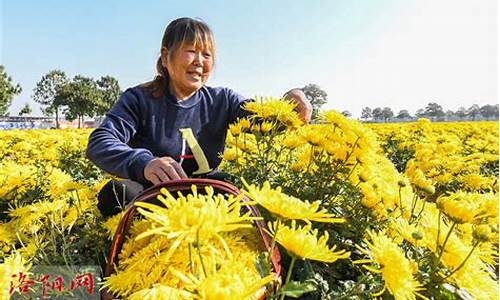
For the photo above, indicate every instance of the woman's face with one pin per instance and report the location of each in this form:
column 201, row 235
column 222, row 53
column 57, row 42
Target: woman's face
column 188, row 68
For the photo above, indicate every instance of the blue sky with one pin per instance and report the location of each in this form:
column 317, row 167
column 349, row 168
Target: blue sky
column 401, row 54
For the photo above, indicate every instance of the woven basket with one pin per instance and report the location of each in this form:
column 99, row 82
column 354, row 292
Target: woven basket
column 150, row 194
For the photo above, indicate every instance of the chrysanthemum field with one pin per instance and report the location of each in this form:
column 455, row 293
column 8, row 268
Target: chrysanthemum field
column 357, row 211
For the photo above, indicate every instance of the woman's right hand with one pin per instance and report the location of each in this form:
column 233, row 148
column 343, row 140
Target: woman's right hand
column 162, row 169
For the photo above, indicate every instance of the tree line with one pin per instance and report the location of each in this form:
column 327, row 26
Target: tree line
column 59, row 95
column 432, row 111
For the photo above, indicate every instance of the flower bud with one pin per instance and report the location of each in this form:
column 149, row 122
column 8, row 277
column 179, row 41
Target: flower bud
column 417, row 235
column 482, row 233
column 430, row 189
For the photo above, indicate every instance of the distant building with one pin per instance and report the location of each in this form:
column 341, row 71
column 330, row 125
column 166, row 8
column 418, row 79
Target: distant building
column 26, row 123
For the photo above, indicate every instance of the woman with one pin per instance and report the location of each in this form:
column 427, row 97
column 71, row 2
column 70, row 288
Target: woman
column 172, row 127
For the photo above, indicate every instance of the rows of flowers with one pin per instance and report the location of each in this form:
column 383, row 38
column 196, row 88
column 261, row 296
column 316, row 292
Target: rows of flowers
column 392, row 211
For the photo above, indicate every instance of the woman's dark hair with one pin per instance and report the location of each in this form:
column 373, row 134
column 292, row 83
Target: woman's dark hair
column 179, row 32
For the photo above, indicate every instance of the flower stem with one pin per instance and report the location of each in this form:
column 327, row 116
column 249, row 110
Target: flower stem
column 438, row 231
column 401, row 208
column 273, row 242
column 466, row 258
column 446, row 240
column 190, row 258
column 289, row 274
column 420, row 213
column 199, row 253
column 413, row 205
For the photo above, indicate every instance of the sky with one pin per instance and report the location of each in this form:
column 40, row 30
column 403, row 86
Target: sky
column 397, row 53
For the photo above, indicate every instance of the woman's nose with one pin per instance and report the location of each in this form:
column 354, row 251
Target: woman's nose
column 198, row 59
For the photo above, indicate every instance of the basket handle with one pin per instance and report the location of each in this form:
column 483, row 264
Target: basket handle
column 172, row 186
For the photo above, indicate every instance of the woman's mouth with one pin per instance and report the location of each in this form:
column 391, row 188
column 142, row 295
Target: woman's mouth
column 195, row 75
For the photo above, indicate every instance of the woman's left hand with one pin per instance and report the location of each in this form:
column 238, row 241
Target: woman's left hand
column 304, row 107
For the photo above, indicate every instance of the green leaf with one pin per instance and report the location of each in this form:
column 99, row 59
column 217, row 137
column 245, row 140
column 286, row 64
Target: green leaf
column 263, row 265
column 296, row 289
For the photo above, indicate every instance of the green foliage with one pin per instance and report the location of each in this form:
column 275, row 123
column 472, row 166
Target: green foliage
column 434, row 110
column 403, row 114
column 366, row 113
column 295, row 289
column 490, row 168
column 84, row 243
column 109, row 92
column 47, row 92
column 396, row 154
column 7, row 91
column 26, row 110
column 74, row 162
column 80, row 97
column 316, row 96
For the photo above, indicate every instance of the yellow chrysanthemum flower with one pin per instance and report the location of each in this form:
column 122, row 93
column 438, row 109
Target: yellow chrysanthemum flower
column 293, row 141
column 7, row 236
column 418, row 178
column 274, row 109
column 15, row 177
column 459, row 207
column 228, row 283
column 29, row 218
column 112, row 223
column 303, row 243
column 395, row 268
column 195, row 217
column 12, row 265
column 288, row 207
column 230, row 154
column 160, row 292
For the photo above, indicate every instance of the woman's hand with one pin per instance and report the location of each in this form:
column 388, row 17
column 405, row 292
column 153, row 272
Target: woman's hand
column 304, row 107
column 162, row 169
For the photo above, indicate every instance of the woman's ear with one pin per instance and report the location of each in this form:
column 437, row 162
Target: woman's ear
column 164, row 56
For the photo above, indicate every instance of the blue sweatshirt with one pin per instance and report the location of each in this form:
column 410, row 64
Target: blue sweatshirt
column 139, row 128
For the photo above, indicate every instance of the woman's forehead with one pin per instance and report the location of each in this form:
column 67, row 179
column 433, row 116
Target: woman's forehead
column 198, row 45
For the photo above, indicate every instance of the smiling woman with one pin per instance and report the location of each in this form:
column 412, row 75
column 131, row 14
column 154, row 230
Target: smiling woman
column 174, row 126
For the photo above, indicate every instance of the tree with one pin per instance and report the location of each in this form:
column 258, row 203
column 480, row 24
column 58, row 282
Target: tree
column 474, row 111
column 109, row 92
column 316, row 96
column 387, row 113
column 434, row 110
column 7, row 91
column 420, row 113
column 81, row 96
column 489, row 111
column 449, row 114
column 377, row 114
column 47, row 92
column 461, row 112
column 366, row 113
column 26, row 110
column 403, row 114
column 346, row 113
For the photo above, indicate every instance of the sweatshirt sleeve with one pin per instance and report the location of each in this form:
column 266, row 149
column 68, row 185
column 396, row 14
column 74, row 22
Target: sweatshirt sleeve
column 108, row 144
column 236, row 102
